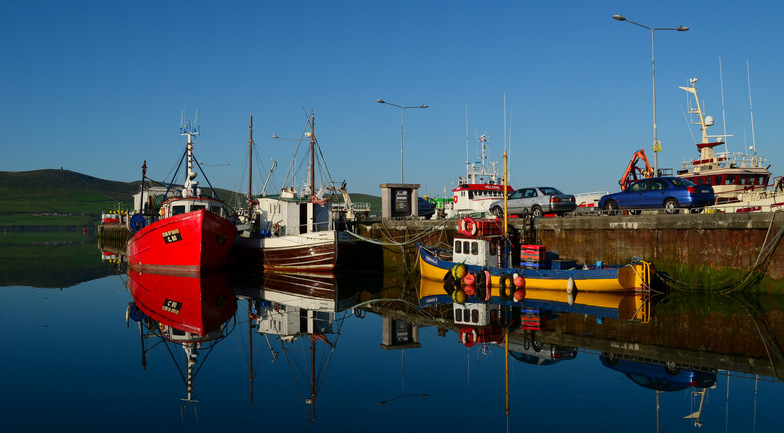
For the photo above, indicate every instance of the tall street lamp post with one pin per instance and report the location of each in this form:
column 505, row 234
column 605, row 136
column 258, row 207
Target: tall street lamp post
column 656, row 144
column 213, row 169
column 402, row 109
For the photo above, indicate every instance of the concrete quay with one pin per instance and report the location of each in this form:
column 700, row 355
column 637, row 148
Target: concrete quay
column 705, row 252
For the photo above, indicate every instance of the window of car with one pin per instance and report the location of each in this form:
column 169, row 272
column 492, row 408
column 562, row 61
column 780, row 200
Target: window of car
column 530, row 193
column 516, row 195
column 677, row 181
column 639, row 186
column 550, row 191
column 658, row 185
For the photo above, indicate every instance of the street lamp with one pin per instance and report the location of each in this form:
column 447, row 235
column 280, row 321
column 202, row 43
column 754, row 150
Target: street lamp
column 213, row 169
column 293, row 154
column 656, row 144
column 402, row 109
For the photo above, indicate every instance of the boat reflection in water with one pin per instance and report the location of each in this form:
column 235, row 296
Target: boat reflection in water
column 303, row 313
column 189, row 310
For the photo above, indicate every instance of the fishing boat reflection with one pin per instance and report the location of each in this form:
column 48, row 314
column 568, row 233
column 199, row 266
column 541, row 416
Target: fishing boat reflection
column 304, row 314
column 192, row 311
column 601, row 305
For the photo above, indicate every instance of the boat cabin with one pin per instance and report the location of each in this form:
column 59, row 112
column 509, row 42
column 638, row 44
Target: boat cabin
column 293, row 216
column 479, row 251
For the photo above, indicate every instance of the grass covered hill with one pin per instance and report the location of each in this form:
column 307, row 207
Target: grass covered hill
column 44, row 197
column 61, row 191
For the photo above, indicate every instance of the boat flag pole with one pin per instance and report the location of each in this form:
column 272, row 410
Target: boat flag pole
column 506, row 214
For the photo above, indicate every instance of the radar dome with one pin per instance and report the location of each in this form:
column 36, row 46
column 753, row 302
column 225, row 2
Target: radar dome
column 708, row 120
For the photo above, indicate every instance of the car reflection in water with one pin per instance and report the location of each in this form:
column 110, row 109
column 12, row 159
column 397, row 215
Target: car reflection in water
column 540, row 353
column 660, row 377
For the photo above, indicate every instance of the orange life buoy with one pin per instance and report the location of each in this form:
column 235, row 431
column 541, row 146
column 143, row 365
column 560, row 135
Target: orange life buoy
column 464, row 337
column 468, row 225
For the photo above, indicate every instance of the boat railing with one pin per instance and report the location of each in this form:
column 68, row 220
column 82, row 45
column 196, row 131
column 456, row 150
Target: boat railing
column 358, row 207
column 729, row 160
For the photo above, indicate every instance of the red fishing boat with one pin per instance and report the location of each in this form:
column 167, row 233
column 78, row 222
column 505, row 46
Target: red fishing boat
column 187, row 231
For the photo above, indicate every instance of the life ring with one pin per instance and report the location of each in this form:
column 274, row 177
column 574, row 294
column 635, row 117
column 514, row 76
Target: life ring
column 468, row 226
column 464, row 337
column 506, row 292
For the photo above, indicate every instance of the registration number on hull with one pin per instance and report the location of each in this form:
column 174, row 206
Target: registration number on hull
column 172, row 236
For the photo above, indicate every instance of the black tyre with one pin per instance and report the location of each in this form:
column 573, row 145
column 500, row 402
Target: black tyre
column 671, row 206
column 611, row 205
column 498, row 211
column 536, row 211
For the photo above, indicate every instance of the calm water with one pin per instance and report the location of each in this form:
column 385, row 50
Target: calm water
column 73, row 362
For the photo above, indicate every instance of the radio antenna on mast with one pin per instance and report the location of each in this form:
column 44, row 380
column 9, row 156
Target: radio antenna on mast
column 723, row 116
column 751, row 111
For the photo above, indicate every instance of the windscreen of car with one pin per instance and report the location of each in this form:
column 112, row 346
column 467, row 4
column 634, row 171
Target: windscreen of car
column 516, row 195
column 550, row 191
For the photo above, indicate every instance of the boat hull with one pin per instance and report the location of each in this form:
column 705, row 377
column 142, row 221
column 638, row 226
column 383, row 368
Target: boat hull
column 628, row 278
column 194, row 303
column 322, row 251
column 189, row 242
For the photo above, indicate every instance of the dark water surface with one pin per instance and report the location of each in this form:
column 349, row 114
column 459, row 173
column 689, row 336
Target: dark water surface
column 73, row 362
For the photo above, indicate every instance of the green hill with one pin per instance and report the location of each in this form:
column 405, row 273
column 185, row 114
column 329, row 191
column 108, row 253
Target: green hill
column 61, row 191
column 64, row 198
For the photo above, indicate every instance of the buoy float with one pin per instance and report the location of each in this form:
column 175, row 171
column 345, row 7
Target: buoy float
column 469, row 289
column 459, row 271
column 469, row 278
column 459, row 296
column 519, row 294
column 507, row 283
column 519, row 281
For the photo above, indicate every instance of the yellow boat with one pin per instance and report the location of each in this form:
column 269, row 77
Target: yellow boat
column 615, row 305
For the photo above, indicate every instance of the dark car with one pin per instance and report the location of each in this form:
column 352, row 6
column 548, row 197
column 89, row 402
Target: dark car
column 669, row 193
column 536, row 201
column 660, row 377
column 426, row 207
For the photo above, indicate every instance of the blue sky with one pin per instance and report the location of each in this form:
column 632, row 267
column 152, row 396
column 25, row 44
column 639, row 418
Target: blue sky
column 98, row 87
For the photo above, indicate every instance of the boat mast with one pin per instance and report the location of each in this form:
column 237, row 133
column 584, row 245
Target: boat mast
column 191, row 130
column 312, row 155
column 250, row 167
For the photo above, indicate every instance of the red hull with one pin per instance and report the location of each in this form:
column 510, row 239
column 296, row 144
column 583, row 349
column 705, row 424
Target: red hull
column 196, row 304
column 189, row 241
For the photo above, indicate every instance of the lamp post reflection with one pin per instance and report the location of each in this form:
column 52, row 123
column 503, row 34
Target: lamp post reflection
column 404, row 394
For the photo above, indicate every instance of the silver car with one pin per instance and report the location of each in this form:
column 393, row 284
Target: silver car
column 535, row 201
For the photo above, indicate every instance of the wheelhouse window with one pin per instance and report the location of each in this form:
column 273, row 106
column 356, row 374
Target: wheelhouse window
column 176, row 210
column 474, row 248
column 458, row 247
